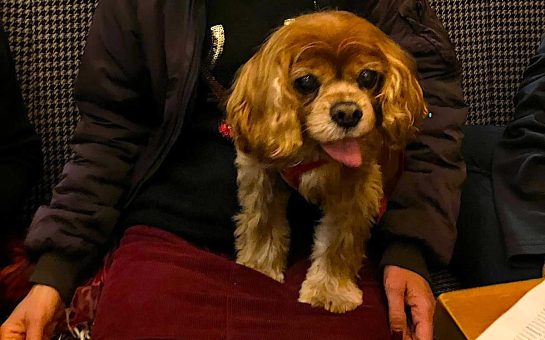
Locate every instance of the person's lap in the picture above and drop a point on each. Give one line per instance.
(161, 287)
(480, 255)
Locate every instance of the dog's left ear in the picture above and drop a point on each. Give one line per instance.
(263, 109)
(401, 97)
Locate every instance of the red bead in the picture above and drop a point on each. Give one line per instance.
(225, 130)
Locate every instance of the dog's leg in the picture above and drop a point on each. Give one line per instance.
(339, 248)
(262, 231)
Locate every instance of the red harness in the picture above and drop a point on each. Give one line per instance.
(292, 176)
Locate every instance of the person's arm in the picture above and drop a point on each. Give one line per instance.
(112, 94)
(69, 233)
(20, 153)
(421, 217)
(518, 169)
(128, 72)
(419, 226)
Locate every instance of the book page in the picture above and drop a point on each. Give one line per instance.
(524, 321)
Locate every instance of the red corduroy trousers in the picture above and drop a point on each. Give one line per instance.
(162, 287)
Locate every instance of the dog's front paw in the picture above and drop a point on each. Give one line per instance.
(336, 298)
(277, 275)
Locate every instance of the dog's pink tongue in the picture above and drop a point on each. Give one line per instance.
(346, 151)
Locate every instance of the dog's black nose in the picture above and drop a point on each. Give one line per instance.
(346, 114)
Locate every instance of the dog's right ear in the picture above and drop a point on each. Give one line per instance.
(262, 108)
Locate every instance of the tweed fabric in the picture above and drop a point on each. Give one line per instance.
(47, 38)
(494, 41)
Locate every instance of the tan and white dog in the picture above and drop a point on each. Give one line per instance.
(330, 90)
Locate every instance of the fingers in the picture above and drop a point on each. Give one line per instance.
(10, 332)
(406, 288)
(35, 330)
(34, 318)
(422, 304)
(423, 324)
(4, 333)
(32, 329)
(40, 327)
(396, 305)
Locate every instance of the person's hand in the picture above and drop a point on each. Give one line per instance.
(35, 317)
(406, 288)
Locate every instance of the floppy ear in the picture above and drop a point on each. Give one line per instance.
(263, 109)
(401, 97)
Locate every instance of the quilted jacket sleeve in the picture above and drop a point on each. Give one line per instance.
(421, 218)
(70, 233)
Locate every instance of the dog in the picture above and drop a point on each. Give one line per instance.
(324, 97)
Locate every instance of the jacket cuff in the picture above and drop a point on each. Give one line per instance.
(59, 272)
(406, 255)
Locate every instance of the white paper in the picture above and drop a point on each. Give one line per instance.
(524, 321)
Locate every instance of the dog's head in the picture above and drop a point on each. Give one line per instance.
(329, 78)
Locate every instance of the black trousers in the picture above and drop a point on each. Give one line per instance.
(480, 256)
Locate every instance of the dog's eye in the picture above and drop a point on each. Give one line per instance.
(306, 84)
(368, 79)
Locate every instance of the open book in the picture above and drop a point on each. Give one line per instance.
(524, 321)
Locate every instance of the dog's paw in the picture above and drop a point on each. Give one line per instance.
(276, 275)
(338, 298)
